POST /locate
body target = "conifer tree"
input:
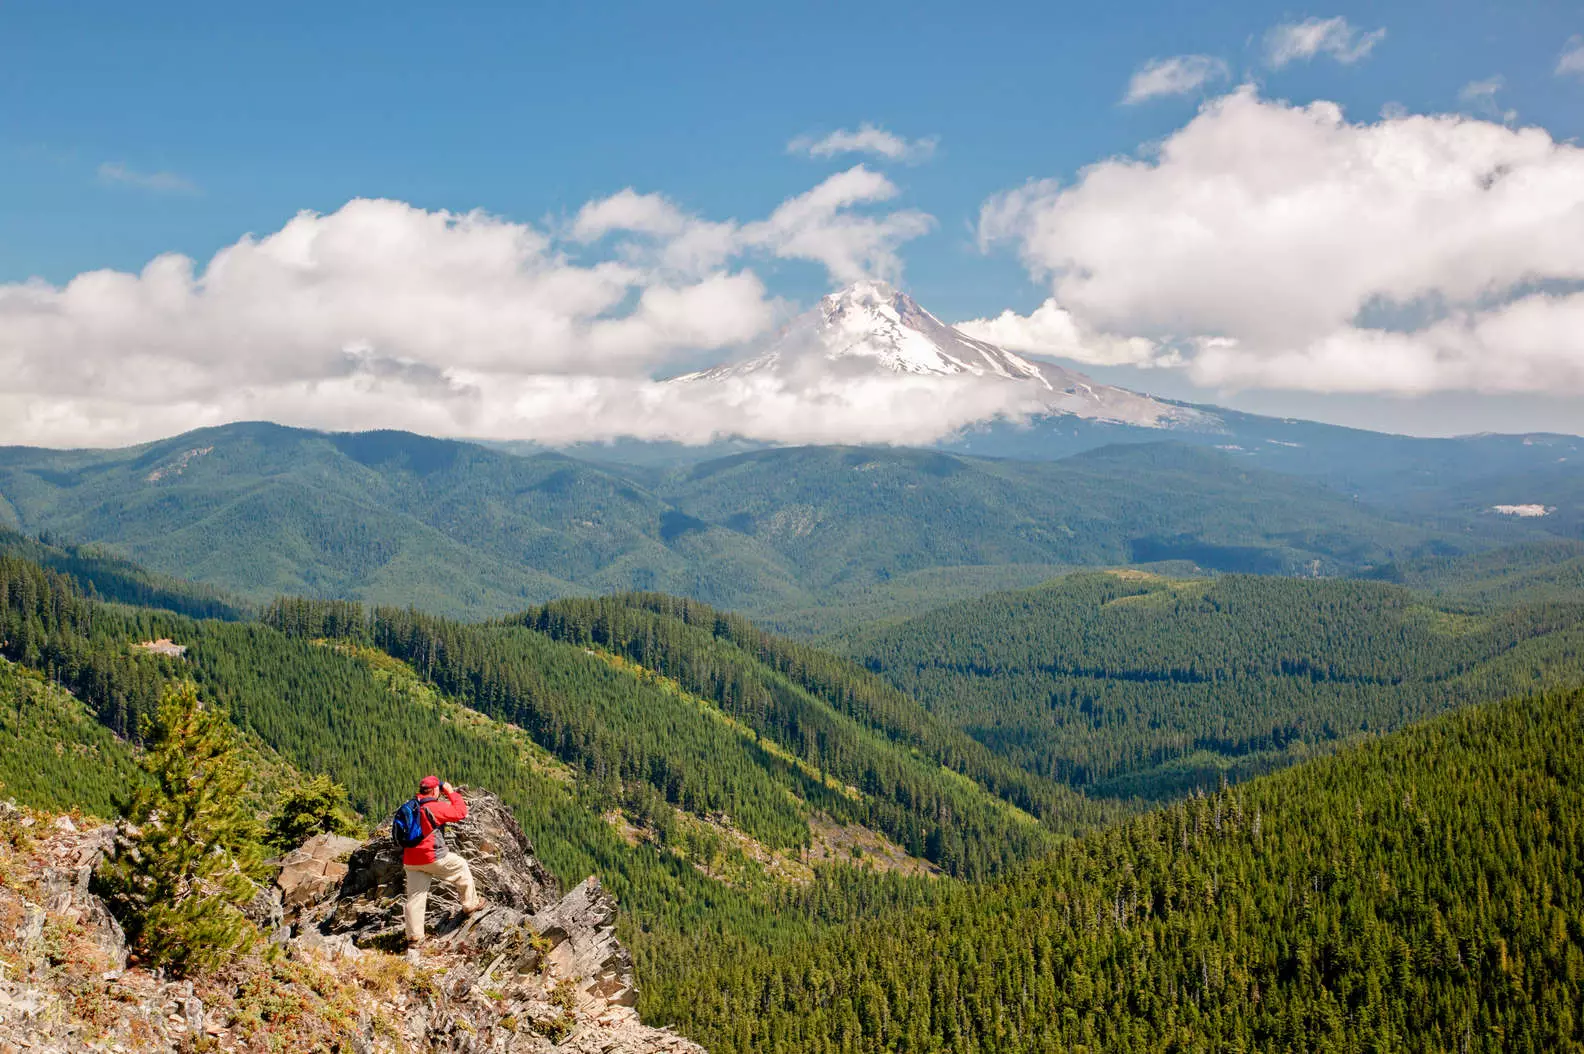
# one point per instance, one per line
(316, 806)
(193, 858)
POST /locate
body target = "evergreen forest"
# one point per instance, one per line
(1119, 811)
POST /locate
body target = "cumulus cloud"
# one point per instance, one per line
(1301, 41)
(868, 139)
(1572, 58)
(382, 314)
(1052, 330)
(1178, 75)
(161, 182)
(826, 224)
(1276, 245)
(821, 225)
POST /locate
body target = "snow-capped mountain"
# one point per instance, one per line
(870, 329)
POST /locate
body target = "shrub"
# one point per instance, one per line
(316, 806)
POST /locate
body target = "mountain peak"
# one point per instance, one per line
(872, 328)
(867, 293)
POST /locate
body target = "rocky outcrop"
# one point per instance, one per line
(367, 907)
(534, 967)
(314, 870)
(535, 971)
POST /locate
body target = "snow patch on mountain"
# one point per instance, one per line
(869, 332)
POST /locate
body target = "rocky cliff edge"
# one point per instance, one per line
(537, 970)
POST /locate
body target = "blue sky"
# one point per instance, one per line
(128, 131)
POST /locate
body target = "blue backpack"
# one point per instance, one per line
(406, 827)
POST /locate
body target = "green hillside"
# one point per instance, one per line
(1500, 578)
(825, 710)
(700, 766)
(1422, 892)
(104, 576)
(53, 754)
(814, 537)
(372, 723)
(1130, 684)
(642, 741)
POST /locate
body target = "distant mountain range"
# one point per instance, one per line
(808, 538)
(805, 537)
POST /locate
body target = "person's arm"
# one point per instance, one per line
(453, 809)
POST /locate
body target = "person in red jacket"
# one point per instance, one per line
(438, 804)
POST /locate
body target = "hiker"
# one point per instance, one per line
(419, 828)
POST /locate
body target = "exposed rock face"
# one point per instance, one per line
(535, 971)
(532, 956)
(508, 875)
(65, 880)
(314, 870)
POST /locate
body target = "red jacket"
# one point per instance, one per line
(433, 814)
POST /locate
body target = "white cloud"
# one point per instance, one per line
(1480, 97)
(1052, 330)
(868, 139)
(1336, 37)
(820, 225)
(825, 224)
(1572, 58)
(382, 314)
(628, 210)
(162, 182)
(1178, 75)
(1281, 246)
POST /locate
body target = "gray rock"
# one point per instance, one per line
(66, 882)
(368, 903)
(31, 928)
(494, 971)
(581, 929)
(314, 870)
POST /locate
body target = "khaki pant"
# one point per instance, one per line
(451, 869)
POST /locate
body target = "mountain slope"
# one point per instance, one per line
(453, 527)
(844, 513)
(1131, 684)
(648, 744)
(1351, 904)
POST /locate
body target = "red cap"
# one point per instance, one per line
(429, 783)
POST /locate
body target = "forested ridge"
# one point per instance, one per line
(369, 722)
(1414, 891)
(808, 699)
(1421, 892)
(622, 731)
(809, 537)
(637, 744)
(104, 576)
(1133, 684)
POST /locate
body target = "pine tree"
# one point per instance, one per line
(305, 809)
(193, 856)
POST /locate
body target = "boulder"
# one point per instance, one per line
(581, 931)
(314, 869)
(65, 883)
